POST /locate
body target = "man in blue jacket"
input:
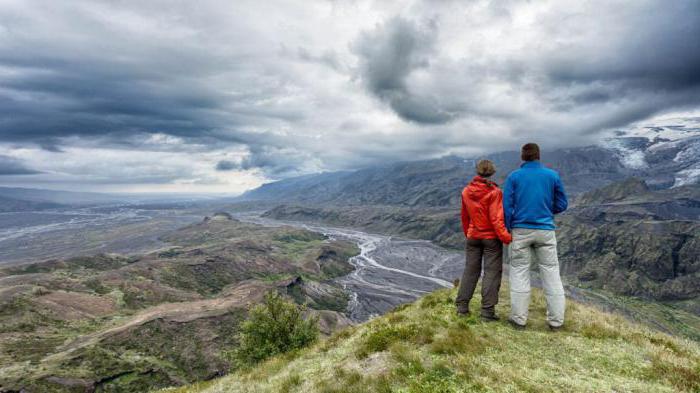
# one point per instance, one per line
(532, 196)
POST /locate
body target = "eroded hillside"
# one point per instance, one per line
(116, 323)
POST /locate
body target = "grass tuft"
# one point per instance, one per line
(598, 331)
(290, 383)
(382, 336)
(684, 377)
(457, 340)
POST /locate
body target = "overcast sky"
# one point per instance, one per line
(220, 96)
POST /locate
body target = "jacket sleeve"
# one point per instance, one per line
(496, 217)
(560, 201)
(508, 202)
(465, 218)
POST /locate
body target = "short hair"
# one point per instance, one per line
(485, 168)
(530, 152)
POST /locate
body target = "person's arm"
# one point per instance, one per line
(560, 201)
(465, 218)
(508, 202)
(496, 217)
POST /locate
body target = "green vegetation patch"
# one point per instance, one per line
(295, 236)
(274, 327)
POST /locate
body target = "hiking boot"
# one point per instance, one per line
(516, 325)
(490, 317)
(462, 313)
(555, 328)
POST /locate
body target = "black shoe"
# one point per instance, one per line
(516, 325)
(555, 328)
(490, 317)
(462, 313)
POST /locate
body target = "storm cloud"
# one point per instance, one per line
(222, 96)
(388, 55)
(11, 166)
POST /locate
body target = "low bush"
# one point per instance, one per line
(276, 326)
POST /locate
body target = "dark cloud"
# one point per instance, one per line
(634, 61)
(279, 162)
(12, 166)
(276, 90)
(388, 55)
(651, 49)
(273, 162)
(225, 165)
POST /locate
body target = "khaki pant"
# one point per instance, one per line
(491, 250)
(542, 245)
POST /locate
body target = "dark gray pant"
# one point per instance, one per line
(491, 251)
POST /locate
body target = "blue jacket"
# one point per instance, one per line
(532, 196)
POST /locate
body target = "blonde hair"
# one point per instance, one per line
(485, 168)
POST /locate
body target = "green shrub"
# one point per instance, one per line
(276, 326)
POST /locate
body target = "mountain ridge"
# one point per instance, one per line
(664, 155)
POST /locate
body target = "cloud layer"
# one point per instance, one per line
(221, 96)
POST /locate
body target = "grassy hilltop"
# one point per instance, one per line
(425, 347)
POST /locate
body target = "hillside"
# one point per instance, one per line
(127, 324)
(624, 237)
(425, 347)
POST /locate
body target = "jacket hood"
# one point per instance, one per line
(479, 187)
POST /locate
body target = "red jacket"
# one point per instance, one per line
(482, 211)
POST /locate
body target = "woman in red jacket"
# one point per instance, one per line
(484, 228)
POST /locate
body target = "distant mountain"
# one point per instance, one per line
(665, 156)
(24, 199)
(14, 205)
(53, 198)
(435, 182)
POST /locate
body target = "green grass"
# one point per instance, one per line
(425, 347)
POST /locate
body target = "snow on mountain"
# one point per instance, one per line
(629, 156)
(666, 147)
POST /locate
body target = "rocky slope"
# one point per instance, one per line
(629, 240)
(425, 347)
(125, 324)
